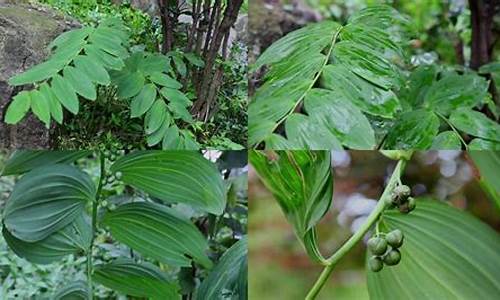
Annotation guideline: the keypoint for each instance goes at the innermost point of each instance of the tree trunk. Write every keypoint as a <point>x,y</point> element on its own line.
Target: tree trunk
<point>482,13</point>
<point>167,23</point>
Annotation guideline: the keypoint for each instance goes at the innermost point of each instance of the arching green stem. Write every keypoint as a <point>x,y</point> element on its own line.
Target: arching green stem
<point>95,204</point>
<point>383,203</point>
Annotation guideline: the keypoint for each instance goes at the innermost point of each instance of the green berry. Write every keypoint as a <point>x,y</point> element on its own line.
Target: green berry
<point>375,264</point>
<point>400,194</point>
<point>111,179</point>
<point>377,245</point>
<point>118,175</point>
<point>112,157</point>
<point>395,238</point>
<point>392,258</point>
<point>412,203</point>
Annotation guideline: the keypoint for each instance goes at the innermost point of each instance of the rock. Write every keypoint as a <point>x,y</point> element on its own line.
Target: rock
<point>25,32</point>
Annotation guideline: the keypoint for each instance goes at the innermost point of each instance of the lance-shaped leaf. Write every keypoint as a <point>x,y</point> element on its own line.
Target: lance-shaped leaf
<point>46,200</point>
<point>158,232</point>
<point>134,279</point>
<point>223,279</point>
<point>175,177</point>
<point>302,183</point>
<point>475,123</point>
<point>414,130</point>
<point>77,290</point>
<point>446,254</point>
<point>23,161</point>
<point>72,239</point>
<point>488,163</point>
<point>480,144</point>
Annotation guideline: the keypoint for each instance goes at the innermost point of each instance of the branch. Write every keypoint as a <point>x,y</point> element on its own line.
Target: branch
<point>384,202</point>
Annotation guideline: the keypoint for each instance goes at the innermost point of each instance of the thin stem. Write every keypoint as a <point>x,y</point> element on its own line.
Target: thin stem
<point>453,128</point>
<point>383,203</point>
<point>95,204</point>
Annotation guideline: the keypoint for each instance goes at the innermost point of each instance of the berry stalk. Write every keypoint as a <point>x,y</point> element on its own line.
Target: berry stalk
<point>384,202</point>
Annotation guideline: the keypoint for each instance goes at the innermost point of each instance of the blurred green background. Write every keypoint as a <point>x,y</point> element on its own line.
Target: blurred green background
<point>279,267</point>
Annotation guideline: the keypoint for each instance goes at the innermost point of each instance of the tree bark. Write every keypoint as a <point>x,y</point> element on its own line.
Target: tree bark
<point>482,13</point>
<point>167,23</point>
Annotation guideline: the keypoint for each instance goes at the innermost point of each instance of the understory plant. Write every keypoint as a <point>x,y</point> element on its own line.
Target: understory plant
<point>417,248</point>
<point>330,86</point>
<point>178,221</point>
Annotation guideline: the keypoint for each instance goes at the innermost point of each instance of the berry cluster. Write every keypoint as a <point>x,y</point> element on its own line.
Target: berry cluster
<point>401,199</point>
<point>385,250</point>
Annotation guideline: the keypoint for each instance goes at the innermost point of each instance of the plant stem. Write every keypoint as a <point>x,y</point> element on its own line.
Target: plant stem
<point>383,203</point>
<point>453,128</point>
<point>95,204</point>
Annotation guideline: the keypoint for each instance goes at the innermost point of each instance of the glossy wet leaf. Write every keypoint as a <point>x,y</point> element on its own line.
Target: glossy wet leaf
<point>475,124</point>
<point>367,97</point>
<point>223,279</point>
<point>447,140</point>
<point>447,254</point>
<point>456,91</point>
<point>22,161</point>
<point>414,130</point>
<point>480,144</point>
<point>302,183</point>
<point>158,232</point>
<point>304,133</point>
<point>46,200</point>
<point>134,279</point>
<point>331,112</point>
<point>175,177</point>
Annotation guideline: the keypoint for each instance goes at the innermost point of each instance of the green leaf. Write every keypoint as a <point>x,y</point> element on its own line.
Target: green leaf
<point>222,281</point>
<point>106,59</point>
<point>302,183</point>
<point>18,108</point>
<point>190,142</point>
<point>171,140</point>
<point>156,116</point>
<point>41,107</point>
<point>476,124</point>
<point>130,85</point>
<point>305,134</point>
<point>65,94</point>
<point>447,140</point>
<point>456,91</point>
<point>492,67</point>
<point>194,59</point>
<point>180,66</point>
<point>101,39</point>
<point>38,73</point>
<point>340,117</point>
<point>277,142</point>
<point>134,279</point>
<point>158,232</point>
<point>23,161</point>
<point>414,130</point>
<point>418,83</point>
<point>196,181</point>
<point>77,290</point>
<point>93,69</point>
<point>175,96</point>
<point>143,102</point>
<point>480,144</point>
<point>72,239</point>
<point>488,163</point>
<point>165,80</point>
<point>71,37</point>
<point>55,106</point>
<point>80,82</point>
<point>446,254</point>
<point>365,96</point>
<point>46,200</point>
<point>366,63</point>
<point>180,111</point>
<point>157,136</point>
